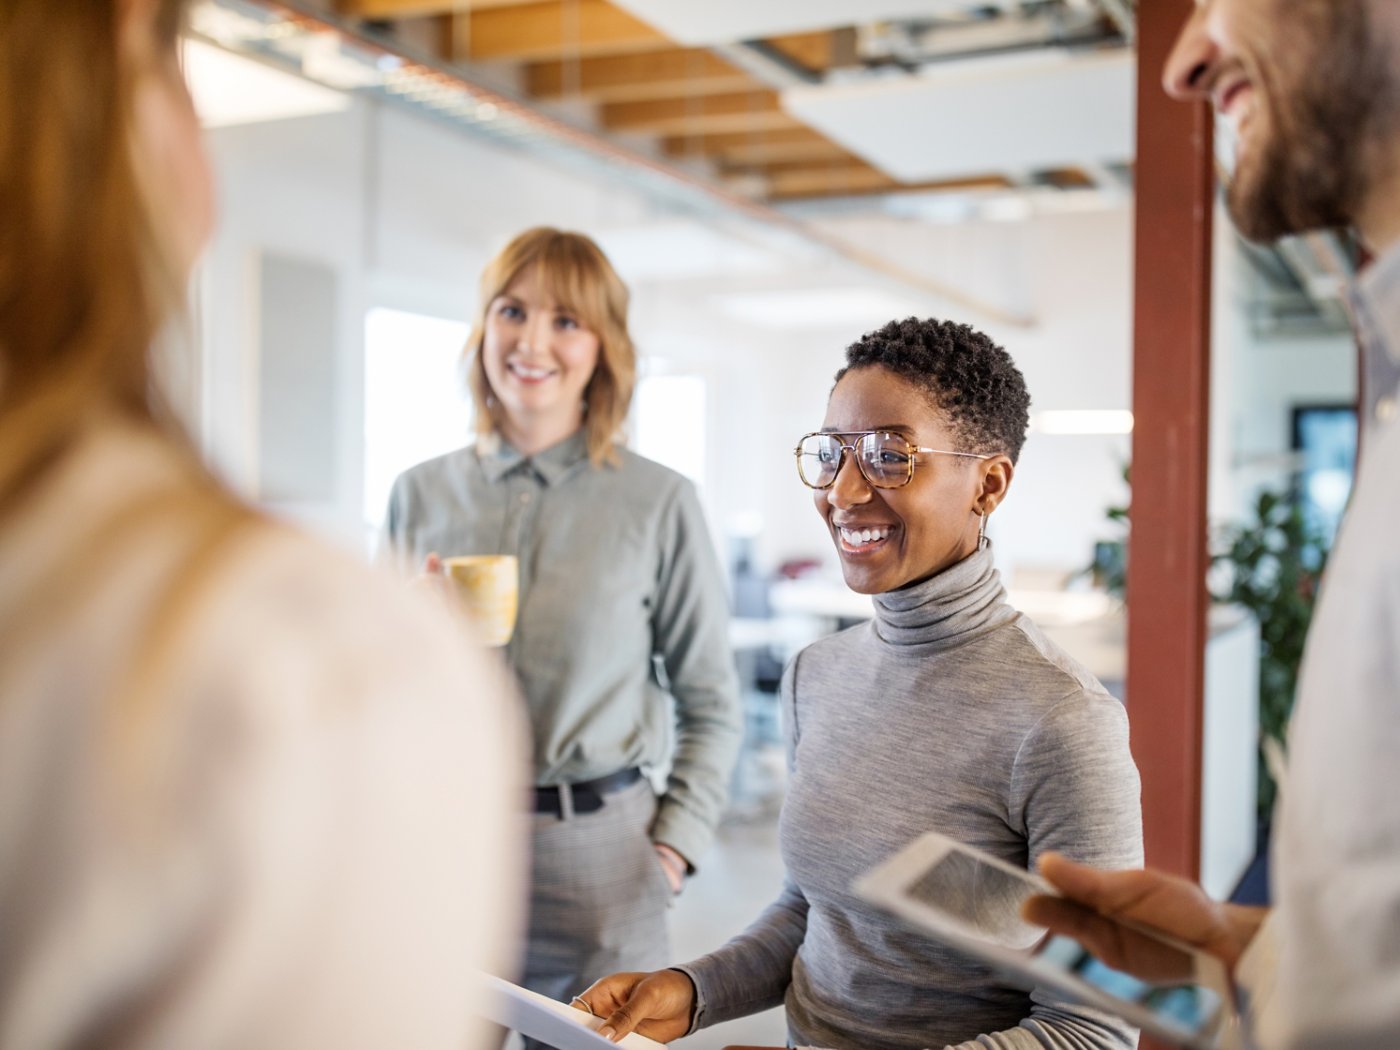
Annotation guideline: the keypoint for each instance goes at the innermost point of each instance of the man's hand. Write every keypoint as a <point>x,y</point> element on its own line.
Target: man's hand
<point>1148,898</point>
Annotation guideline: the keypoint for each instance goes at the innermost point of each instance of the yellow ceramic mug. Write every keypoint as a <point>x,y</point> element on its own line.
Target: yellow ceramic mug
<point>485,587</point>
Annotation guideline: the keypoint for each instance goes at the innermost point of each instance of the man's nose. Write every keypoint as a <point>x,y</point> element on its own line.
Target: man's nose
<point>1186,76</point>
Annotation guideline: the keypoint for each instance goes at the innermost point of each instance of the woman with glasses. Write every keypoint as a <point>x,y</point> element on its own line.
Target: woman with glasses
<point>245,783</point>
<point>621,603</point>
<point>950,711</point>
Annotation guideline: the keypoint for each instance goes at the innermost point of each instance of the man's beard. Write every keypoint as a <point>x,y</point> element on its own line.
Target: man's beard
<point>1311,168</point>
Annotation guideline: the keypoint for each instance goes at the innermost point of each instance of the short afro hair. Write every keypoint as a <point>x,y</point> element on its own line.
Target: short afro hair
<point>967,376</point>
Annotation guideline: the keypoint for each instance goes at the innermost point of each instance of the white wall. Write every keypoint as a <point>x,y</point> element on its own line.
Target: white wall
<point>294,187</point>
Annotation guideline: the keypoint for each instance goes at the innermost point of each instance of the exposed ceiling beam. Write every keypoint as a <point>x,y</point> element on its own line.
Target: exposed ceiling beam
<point>794,137</point>
<point>761,153</point>
<point>825,180</point>
<point>767,64</point>
<point>815,51</point>
<point>550,29</point>
<point>798,184</point>
<point>389,9</point>
<point>678,72</point>
<point>747,111</point>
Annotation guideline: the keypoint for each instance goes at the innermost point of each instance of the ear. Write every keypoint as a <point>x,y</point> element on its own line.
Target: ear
<point>995,479</point>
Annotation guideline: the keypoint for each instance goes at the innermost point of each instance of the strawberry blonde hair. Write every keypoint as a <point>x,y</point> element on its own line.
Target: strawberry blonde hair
<point>86,278</point>
<point>89,275</point>
<point>573,270</point>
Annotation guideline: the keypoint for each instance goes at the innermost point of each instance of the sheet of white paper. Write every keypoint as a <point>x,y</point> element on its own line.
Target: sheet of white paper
<point>540,1017</point>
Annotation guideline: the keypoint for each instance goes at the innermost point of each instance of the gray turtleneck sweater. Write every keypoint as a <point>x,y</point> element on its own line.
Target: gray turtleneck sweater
<point>950,711</point>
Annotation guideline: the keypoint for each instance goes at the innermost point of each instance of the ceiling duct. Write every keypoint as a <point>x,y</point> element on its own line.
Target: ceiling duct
<point>981,31</point>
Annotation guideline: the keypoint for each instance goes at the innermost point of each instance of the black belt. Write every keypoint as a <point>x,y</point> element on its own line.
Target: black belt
<point>587,795</point>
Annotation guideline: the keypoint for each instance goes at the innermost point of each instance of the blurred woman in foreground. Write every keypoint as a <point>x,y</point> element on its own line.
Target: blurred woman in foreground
<point>243,781</point>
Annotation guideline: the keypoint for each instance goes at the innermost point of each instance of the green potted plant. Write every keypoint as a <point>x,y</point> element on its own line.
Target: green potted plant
<point>1269,563</point>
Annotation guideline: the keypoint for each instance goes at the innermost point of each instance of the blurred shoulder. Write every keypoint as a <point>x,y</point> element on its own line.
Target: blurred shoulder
<point>299,624</point>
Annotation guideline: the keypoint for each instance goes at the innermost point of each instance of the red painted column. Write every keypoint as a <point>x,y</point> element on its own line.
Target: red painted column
<point>1168,556</point>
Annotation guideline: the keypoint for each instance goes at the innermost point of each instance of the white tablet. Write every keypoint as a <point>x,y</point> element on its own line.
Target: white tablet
<point>559,1025</point>
<point>972,901</point>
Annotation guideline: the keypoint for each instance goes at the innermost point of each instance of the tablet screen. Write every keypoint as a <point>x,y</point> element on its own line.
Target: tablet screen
<point>982,896</point>
<point>987,898</point>
<point>1171,994</point>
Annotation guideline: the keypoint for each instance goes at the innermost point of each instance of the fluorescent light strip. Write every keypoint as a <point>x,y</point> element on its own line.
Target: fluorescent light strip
<point>1083,421</point>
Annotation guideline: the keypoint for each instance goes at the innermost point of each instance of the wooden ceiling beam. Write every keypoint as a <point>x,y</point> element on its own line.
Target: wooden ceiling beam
<point>391,9</point>
<point>816,51</point>
<point>748,111</point>
<point>549,30</point>
<point>721,142</point>
<point>673,73</point>
<point>859,178</point>
<point>826,180</point>
<point>760,152</point>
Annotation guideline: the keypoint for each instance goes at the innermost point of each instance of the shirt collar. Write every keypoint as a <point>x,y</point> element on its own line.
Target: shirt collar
<point>499,457</point>
<point>1376,303</point>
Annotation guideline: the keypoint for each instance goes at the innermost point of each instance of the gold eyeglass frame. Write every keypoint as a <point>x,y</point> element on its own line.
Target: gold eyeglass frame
<point>858,435</point>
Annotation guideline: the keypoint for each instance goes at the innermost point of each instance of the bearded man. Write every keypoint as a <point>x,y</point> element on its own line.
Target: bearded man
<point>1312,88</point>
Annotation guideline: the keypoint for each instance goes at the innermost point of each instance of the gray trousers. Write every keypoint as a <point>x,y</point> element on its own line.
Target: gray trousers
<point>598,895</point>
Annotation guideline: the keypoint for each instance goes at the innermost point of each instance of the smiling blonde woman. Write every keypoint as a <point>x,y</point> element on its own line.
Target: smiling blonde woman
<point>622,613</point>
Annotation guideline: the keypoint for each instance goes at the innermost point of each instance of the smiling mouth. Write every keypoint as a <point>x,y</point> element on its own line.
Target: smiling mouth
<point>863,541</point>
<point>1233,101</point>
<point>527,374</point>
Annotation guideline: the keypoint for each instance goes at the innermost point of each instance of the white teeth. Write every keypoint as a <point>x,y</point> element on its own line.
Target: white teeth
<point>526,372</point>
<point>860,537</point>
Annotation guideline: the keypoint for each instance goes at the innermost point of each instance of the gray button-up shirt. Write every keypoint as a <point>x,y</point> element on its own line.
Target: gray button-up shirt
<point>621,640</point>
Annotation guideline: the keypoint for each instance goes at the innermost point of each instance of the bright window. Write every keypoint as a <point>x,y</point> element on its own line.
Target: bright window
<point>416,402</point>
<point>669,420</point>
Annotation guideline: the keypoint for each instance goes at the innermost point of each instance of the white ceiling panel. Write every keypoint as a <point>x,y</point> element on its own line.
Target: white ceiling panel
<point>1016,114</point>
<point>725,21</point>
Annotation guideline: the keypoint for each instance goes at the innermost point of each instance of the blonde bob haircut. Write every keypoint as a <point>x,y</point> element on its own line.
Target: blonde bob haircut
<point>575,273</point>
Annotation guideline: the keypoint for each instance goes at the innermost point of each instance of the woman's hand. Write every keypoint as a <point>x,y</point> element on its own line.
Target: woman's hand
<point>431,578</point>
<point>657,1005</point>
<point>675,866</point>
<point>1175,906</point>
